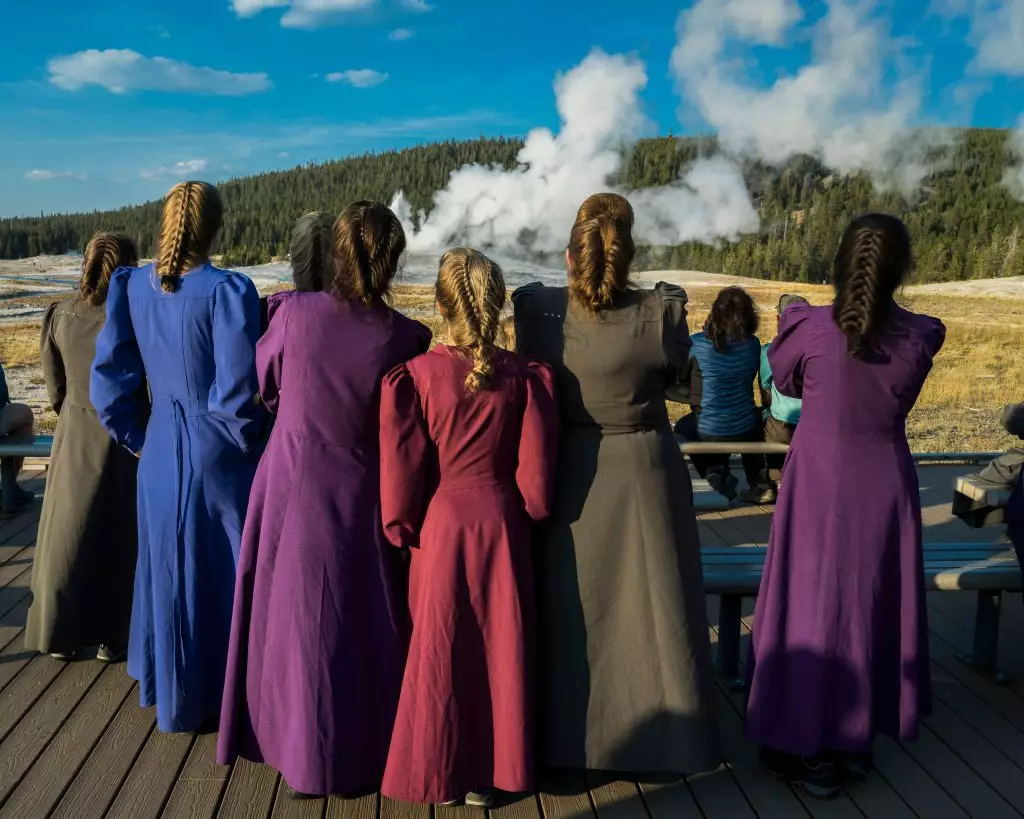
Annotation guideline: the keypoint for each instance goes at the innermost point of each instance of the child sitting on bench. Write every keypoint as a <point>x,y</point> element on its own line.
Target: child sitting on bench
<point>16,420</point>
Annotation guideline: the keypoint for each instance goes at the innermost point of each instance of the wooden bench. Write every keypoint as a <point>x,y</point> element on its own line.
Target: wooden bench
<point>989,569</point>
<point>978,502</point>
<point>11,449</point>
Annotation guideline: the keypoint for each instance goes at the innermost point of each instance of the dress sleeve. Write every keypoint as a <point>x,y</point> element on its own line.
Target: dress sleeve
<point>117,370</point>
<point>53,362</point>
<point>234,394</point>
<point>788,352</point>
<point>405,456</point>
<point>270,351</point>
<point>538,442</point>
<point>675,343</point>
<point>522,298</point>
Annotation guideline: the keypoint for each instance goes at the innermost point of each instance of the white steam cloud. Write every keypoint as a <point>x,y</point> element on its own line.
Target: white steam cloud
<point>533,206</point>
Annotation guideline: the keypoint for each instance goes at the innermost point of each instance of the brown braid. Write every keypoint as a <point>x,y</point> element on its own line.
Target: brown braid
<point>312,239</point>
<point>874,257</point>
<point>193,215</point>
<point>104,254</point>
<point>601,250</point>
<point>368,244</point>
<point>470,290</point>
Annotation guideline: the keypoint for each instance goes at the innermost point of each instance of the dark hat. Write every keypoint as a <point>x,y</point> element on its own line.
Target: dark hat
<point>788,301</point>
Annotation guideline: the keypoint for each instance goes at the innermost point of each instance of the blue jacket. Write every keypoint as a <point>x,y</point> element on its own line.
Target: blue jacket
<point>727,406</point>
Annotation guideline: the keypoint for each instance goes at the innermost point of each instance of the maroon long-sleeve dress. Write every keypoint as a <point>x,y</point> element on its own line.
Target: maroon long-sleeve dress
<point>462,476</point>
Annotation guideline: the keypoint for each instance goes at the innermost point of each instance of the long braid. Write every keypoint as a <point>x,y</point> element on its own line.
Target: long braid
<point>367,245</point>
<point>103,255</point>
<point>193,214</point>
<point>601,250</point>
<point>170,275</point>
<point>311,251</point>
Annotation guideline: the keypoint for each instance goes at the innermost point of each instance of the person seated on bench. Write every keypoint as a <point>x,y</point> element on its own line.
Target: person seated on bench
<point>18,421</point>
<point>780,414</point>
<point>728,353</point>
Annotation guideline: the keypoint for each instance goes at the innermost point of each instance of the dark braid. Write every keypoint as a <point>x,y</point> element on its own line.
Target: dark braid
<point>874,257</point>
<point>310,251</point>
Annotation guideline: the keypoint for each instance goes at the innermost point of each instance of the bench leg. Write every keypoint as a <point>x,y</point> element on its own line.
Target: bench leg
<point>8,485</point>
<point>986,638</point>
<point>727,663</point>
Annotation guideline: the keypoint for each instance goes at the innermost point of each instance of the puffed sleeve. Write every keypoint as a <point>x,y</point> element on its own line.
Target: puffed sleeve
<point>538,441</point>
<point>934,335</point>
<point>675,342</point>
<point>788,353</point>
<point>270,351</point>
<point>423,336</point>
<point>117,370</point>
<point>523,299</point>
<point>406,455</point>
<point>53,362</point>
<point>234,394</point>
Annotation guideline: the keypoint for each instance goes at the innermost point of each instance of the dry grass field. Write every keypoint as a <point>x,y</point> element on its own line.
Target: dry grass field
<point>980,369</point>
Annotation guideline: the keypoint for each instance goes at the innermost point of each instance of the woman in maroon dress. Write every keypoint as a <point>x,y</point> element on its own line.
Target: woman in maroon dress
<point>468,445</point>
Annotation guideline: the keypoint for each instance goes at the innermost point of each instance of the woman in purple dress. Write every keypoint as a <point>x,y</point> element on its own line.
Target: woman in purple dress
<point>840,643</point>
<point>320,625</point>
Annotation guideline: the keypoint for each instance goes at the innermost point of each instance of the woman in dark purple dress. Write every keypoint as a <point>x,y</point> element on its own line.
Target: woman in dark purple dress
<point>320,625</point>
<point>840,644</point>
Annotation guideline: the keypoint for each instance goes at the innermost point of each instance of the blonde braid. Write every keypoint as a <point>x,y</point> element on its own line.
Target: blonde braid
<point>193,214</point>
<point>103,255</point>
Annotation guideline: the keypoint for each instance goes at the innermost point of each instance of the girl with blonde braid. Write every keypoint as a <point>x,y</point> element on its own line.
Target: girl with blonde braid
<point>190,329</point>
<point>468,445</point>
<point>85,556</point>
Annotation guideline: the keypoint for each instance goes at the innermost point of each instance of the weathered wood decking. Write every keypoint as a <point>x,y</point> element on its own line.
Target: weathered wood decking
<point>75,744</point>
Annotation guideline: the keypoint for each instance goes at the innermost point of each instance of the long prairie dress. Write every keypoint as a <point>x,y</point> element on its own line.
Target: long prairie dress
<point>462,478</point>
<point>197,349</point>
<point>84,565</point>
<point>624,654</point>
<point>840,641</point>
<point>321,623</point>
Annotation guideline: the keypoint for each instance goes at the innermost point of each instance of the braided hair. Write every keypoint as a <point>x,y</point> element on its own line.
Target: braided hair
<point>470,290</point>
<point>193,215</point>
<point>104,254</point>
<point>873,259</point>
<point>310,249</point>
<point>733,318</point>
<point>367,246</point>
<point>601,250</point>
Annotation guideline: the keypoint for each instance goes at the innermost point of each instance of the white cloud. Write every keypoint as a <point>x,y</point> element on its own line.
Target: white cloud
<point>283,154</point>
<point>179,170</point>
<point>302,13</point>
<point>417,5</point>
<point>997,34</point>
<point>122,70</point>
<point>400,34</point>
<point>358,77</point>
<point>46,176</point>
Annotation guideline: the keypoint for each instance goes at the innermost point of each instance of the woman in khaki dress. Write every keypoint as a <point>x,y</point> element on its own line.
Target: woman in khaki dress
<point>625,679</point>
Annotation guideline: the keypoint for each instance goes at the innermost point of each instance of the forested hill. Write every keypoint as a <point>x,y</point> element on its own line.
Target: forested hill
<point>964,222</point>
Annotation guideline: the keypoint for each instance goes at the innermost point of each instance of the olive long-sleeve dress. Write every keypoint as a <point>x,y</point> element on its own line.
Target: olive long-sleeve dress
<point>84,564</point>
<point>625,679</point>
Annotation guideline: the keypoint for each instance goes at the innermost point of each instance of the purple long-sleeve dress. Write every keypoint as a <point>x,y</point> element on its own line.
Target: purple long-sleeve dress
<point>840,630</point>
<point>320,627</point>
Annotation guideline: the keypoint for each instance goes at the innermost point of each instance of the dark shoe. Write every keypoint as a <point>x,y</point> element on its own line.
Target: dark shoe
<point>763,495</point>
<point>106,654</point>
<point>816,775</point>
<point>724,483</point>
<point>483,798</point>
<point>64,656</point>
<point>854,767</point>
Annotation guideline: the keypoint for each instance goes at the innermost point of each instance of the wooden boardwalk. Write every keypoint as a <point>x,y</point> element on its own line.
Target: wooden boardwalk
<point>75,744</point>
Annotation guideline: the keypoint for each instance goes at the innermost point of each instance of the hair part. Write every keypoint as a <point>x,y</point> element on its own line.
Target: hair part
<point>104,254</point>
<point>367,247</point>
<point>601,251</point>
<point>471,291</point>
<point>193,215</point>
<point>310,250</point>
<point>733,318</point>
<point>873,259</point>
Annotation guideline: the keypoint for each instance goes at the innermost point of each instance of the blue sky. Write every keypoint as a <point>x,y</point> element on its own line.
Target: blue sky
<point>250,90</point>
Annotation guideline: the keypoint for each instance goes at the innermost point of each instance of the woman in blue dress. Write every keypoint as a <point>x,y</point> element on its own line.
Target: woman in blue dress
<point>191,329</point>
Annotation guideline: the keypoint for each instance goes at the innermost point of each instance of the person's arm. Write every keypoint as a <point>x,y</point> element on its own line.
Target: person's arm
<point>765,378</point>
<point>677,345</point>
<point>1013,419</point>
<point>538,442</point>
<point>117,370</point>
<point>270,352</point>
<point>53,362</point>
<point>788,352</point>
<point>234,394</point>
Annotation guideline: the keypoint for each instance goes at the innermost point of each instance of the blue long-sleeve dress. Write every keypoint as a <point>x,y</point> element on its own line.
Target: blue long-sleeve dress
<point>196,347</point>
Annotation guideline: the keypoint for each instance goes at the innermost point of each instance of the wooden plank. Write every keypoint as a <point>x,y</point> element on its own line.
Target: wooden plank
<point>564,794</point>
<point>250,791</point>
<point>670,800</point>
<point>16,588</point>
<point>97,782</point>
<point>393,809</point>
<point>288,808</point>
<point>12,623</point>
<point>718,795</point>
<point>198,790</point>
<point>514,806</point>
<point>10,549</point>
<point>460,811</point>
<point>365,807</point>
<point>26,741</point>
<point>922,793</point>
<point>145,790</point>
<point>44,784</point>
<point>36,675</point>
<point>615,798</point>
